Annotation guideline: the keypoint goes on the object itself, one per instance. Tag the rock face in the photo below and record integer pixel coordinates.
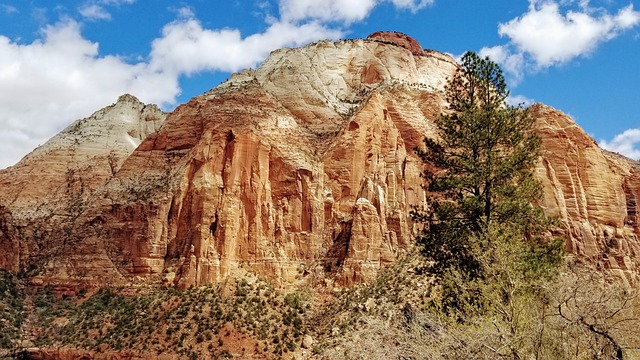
(399, 39)
(10, 250)
(303, 167)
(592, 192)
(43, 195)
(281, 176)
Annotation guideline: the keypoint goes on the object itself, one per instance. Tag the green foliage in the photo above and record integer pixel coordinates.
(296, 300)
(480, 224)
(12, 311)
(189, 323)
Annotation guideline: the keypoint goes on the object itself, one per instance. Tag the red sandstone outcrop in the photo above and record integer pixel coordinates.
(255, 178)
(79, 160)
(399, 39)
(45, 193)
(305, 165)
(10, 250)
(592, 192)
(271, 173)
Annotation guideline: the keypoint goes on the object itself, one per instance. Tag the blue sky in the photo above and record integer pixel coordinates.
(60, 61)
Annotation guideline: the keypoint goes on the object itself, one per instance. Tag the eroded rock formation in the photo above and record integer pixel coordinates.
(304, 166)
(43, 195)
(592, 192)
(399, 39)
(282, 176)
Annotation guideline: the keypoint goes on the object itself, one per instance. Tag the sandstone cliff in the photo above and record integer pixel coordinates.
(281, 176)
(592, 192)
(300, 169)
(43, 195)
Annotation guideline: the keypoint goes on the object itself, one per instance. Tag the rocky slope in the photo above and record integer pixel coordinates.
(43, 195)
(302, 169)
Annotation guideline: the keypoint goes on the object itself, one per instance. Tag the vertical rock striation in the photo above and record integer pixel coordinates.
(277, 175)
(47, 191)
(303, 167)
(592, 192)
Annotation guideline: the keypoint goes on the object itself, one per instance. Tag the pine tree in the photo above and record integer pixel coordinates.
(481, 184)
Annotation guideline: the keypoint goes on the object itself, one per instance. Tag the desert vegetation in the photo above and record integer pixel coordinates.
(12, 310)
(246, 317)
(250, 317)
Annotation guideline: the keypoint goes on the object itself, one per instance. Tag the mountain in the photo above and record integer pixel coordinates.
(43, 195)
(301, 171)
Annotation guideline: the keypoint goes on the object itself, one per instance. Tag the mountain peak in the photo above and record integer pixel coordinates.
(399, 39)
(128, 98)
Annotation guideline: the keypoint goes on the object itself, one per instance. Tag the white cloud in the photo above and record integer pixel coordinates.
(94, 12)
(9, 9)
(627, 144)
(412, 5)
(346, 11)
(186, 47)
(516, 100)
(96, 9)
(327, 11)
(550, 37)
(513, 63)
(185, 12)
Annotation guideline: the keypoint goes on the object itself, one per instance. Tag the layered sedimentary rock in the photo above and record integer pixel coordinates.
(592, 192)
(43, 195)
(10, 250)
(282, 176)
(304, 167)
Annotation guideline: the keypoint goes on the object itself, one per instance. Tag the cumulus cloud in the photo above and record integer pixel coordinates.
(513, 63)
(516, 100)
(326, 11)
(94, 12)
(412, 5)
(186, 47)
(548, 34)
(627, 144)
(346, 11)
(551, 37)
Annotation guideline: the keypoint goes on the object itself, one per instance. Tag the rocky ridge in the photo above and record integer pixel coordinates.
(43, 195)
(301, 170)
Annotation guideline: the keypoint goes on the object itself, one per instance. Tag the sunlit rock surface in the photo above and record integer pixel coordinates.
(303, 168)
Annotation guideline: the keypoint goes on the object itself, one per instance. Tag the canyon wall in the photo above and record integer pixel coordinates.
(44, 195)
(301, 169)
(592, 192)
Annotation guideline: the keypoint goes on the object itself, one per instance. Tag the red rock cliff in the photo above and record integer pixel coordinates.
(305, 168)
(592, 192)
